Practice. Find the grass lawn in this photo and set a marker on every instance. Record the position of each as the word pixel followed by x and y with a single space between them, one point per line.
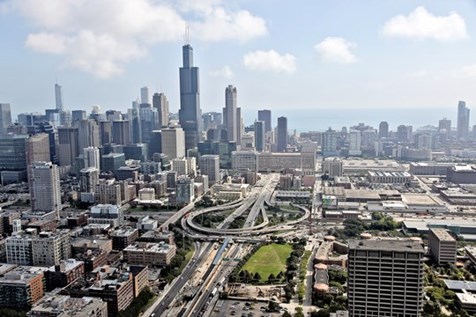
pixel 269 259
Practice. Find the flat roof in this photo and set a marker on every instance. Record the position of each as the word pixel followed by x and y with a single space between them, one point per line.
pixel 400 245
pixel 460 285
pixel 419 199
pixel 442 234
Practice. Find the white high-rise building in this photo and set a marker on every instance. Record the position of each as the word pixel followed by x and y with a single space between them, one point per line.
pixel 91 157
pixel 180 166
pixel 355 141
pixel 160 102
pixel 210 165
pixel 173 142
pixel 144 95
pixel 244 160
pixel 230 113
pixel 5 117
pixel 46 186
pixel 59 97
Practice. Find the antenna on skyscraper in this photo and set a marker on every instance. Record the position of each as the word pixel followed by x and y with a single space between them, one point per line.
pixel 186 36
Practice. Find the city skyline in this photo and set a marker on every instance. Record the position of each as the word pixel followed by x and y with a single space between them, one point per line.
pixel 327 58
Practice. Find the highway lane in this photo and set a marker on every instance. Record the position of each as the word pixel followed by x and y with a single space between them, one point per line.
pixel 180 281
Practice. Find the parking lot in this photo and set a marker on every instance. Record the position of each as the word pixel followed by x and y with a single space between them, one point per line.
pixel 224 308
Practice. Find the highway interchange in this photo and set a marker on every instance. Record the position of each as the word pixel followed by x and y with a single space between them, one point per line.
pixel 201 274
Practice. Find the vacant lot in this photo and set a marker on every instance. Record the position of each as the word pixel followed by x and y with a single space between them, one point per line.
pixel 269 259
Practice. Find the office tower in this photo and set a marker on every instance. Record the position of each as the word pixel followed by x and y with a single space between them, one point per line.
pixel 244 161
pixel 160 102
pixel 180 166
pixel 184 190
pixel 135 128
pixel 190 114
pixel 404 133
pixel 112 161
pixel 88 179
pixel 46 187
pixel 59 97
pixel 230 115
pixel 462 125
pixel 329 143
pixel 282 141
pixel 265 116
pixel 137 151
pixel 259 136
pixel 91 157
pixel 37 150
pixel 155 142
pixel 121 132
pixel 173 142
pixel 442 246
pixel 210 166
pixel 444 124
pixel 149 121
pixel 212 120
pixel 385 278
pixel 239 126
pixel 78 115
pixel 65 118
pixel 113 115
pixel 68 145
pixel 144 95
pixel 355 142
pixel 5 117
pixel 105 132
pixel 88 133
pixel 383 130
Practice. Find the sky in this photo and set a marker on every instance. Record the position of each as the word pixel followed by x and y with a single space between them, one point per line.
pixel 283 55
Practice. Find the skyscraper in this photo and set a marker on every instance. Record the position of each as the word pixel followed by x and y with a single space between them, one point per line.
pixel 5 117
pixel 444 124
pixel 259 136
pixel 68 145
pixel 91 157
pixel 37 150
pixel 265 116
pixel 383 130
pixel 462 125
pixel 160 102
pixel 121 132
pixel 173 142
pixel 210 165
pixel 230 114
pixel 282 141
pixel 59 97
pixel 190 113
pixel 46 186
pixel 385 278
pixel 144 95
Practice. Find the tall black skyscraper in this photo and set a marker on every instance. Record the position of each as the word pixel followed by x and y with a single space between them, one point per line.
pixel 190 113
pixel 383 130
pixel 259 136
pixel 282 134
pixel 462 124
pixel 265 116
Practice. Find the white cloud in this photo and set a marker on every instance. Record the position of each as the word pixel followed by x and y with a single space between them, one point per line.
pixel 469 70
pixel 270 61
pixel 421 24
pixel 225 72
pixel 336 49
pixel 100 37
pixel 418 74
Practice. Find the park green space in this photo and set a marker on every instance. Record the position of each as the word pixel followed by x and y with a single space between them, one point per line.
pixel 269 259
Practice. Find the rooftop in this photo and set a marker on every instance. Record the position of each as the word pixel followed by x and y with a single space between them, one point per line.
pixel 442 234
pixel 400 245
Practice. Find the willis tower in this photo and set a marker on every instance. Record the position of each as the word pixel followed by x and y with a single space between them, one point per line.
pixel 190 114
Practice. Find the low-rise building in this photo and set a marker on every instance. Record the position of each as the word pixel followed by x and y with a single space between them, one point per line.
pixel 124 237
pixel 20 288
pixel 442 246
pixel 156 254
pixel 66 306
pixel 63 274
